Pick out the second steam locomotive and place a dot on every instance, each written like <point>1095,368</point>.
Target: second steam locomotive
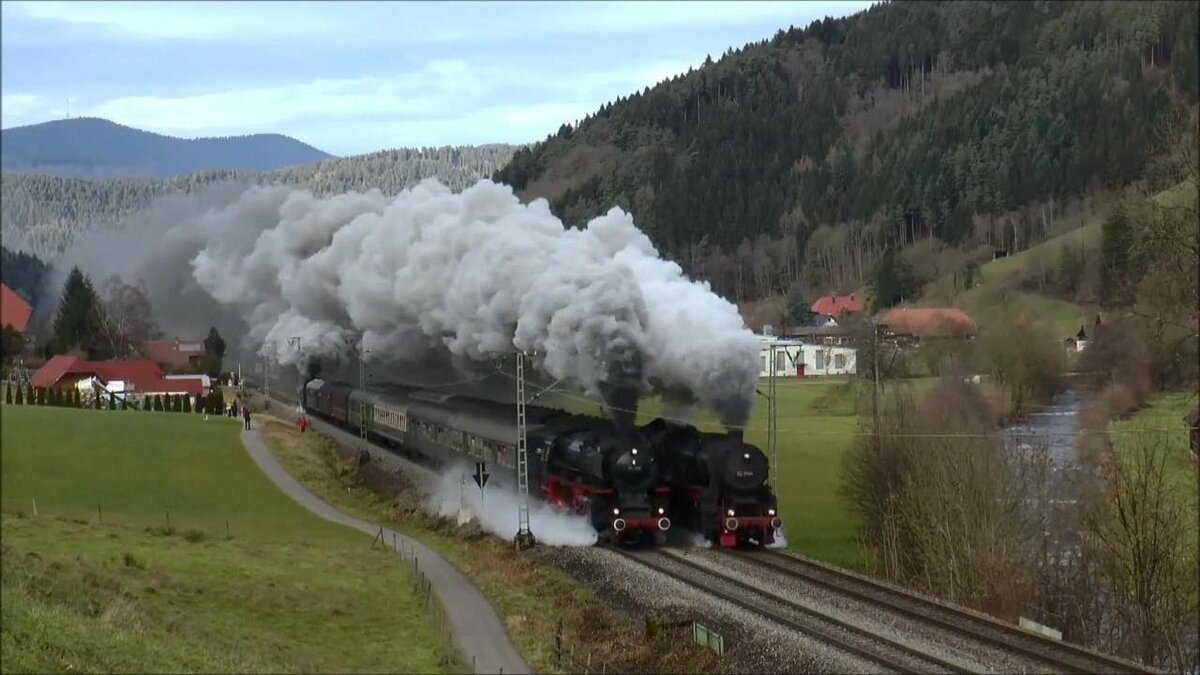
<point>630,482</point>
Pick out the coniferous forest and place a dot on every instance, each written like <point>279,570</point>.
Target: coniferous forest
<point>968,123</point>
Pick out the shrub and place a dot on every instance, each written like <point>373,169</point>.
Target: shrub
<point>41,396</point>
<point>29,397</point>
<point>158,404</point>
<point>187,404</point>
<point>8,397</point>
<point>78,399</point>
<point>194,536</point>
<point>20,396</point>
<point>133,561</point>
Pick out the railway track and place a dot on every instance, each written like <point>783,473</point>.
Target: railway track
<point>1051,654</point>
<point>894,655</point>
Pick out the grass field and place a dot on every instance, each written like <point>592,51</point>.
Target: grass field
<point>115,588</point>
<point>817,425</point>
<point>1165,416</point>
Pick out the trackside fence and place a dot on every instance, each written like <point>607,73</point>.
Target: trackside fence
<point>450,658</point>
<point>570,660</point>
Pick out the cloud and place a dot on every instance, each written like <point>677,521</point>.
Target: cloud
<point>19,105</point>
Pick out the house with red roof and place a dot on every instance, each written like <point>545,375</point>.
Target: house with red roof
<point>138,377</point>
<point>14,311</point>
<point>834,306</point>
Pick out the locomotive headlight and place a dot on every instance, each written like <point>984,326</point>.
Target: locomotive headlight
<point>730,512</point>
<point>770,512</point>
<point>746,456</point>
<point>634,451</point>
<point>661,511</point>
<point>616,512</point>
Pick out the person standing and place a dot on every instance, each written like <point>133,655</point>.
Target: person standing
<point>246,417</point>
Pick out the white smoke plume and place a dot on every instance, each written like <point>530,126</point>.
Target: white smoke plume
<point>495,507</point>
<point>475,274</point>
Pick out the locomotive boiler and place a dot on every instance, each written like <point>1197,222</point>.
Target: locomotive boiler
<point>598,470</point>
<point>718,484</point>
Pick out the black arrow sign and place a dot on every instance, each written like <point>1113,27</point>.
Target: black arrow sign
<point>481,475</point>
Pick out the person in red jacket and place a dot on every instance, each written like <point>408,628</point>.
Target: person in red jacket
<point>302,422</point>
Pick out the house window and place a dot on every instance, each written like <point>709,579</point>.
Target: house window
<point>820,361</point>
<point>839,361</point>
<point>764,360</point>
<point>780,361</point>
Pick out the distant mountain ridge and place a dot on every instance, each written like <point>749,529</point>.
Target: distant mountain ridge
<point>97,148</point>
<point>44,213</point>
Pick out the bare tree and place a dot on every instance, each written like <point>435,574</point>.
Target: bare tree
<point>128,316</point>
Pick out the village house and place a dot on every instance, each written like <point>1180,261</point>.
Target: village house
<point>913,324</point>
<point>794,358</point>
<point>124,380</point>
<point>14,311</point>
<point>830,308</point>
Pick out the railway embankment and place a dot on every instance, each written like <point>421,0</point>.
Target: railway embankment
<point>535,599</point>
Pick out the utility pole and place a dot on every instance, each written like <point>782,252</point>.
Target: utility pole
<point>364,411</point>
<point>267,381</point>
<point>298,342</point>
<point>875,373</point>
<point>772,423</point>
<point>524,537</point>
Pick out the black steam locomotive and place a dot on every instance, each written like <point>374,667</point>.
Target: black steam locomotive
<point>577,463</point>
<point>718,484</point>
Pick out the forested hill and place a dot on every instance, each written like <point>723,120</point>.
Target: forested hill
<point>954,120</point>
<point>44,212</point>
<point>95,147</point>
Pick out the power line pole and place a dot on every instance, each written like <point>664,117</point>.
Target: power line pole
<point>772,425</point>
<point>299,344</point>
<point>875,373</point>
<point>524,537</point>
<point>362,384</point>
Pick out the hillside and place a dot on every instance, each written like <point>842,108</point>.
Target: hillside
<point>964,122</point>
<point>98,148</point>
<point>45,212</point>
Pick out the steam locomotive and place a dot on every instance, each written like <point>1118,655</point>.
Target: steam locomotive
<point>718,484</point>
<point>577,463</point>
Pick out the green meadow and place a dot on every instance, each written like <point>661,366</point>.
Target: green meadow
<point>241,579</point>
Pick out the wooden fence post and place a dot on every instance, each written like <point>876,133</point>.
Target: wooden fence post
<point>99,513</point>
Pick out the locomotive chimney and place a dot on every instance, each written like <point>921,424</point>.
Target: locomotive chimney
<point>735,433</point>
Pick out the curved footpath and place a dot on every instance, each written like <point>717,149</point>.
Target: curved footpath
<point>479,633</point>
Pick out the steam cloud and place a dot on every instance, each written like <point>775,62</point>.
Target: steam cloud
<point>469,275</point>
<point>495,508</point>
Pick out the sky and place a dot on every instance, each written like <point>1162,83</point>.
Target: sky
<point>351,78</point>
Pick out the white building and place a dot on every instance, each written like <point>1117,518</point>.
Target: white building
<point>798,359</point>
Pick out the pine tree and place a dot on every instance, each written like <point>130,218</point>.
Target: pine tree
<point>29,396</point>
<point>176,403</point>
<point>79,320</point>
<point>158,405</point>
<point>20,395</point>
<point>147,404</point>
<point>41,396</point>
<point>187,403</point>
<point>78,399</point>
<point>8,396</point>
<point>95,400</point>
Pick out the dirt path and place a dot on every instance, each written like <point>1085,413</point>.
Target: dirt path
<point>478,631</point>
